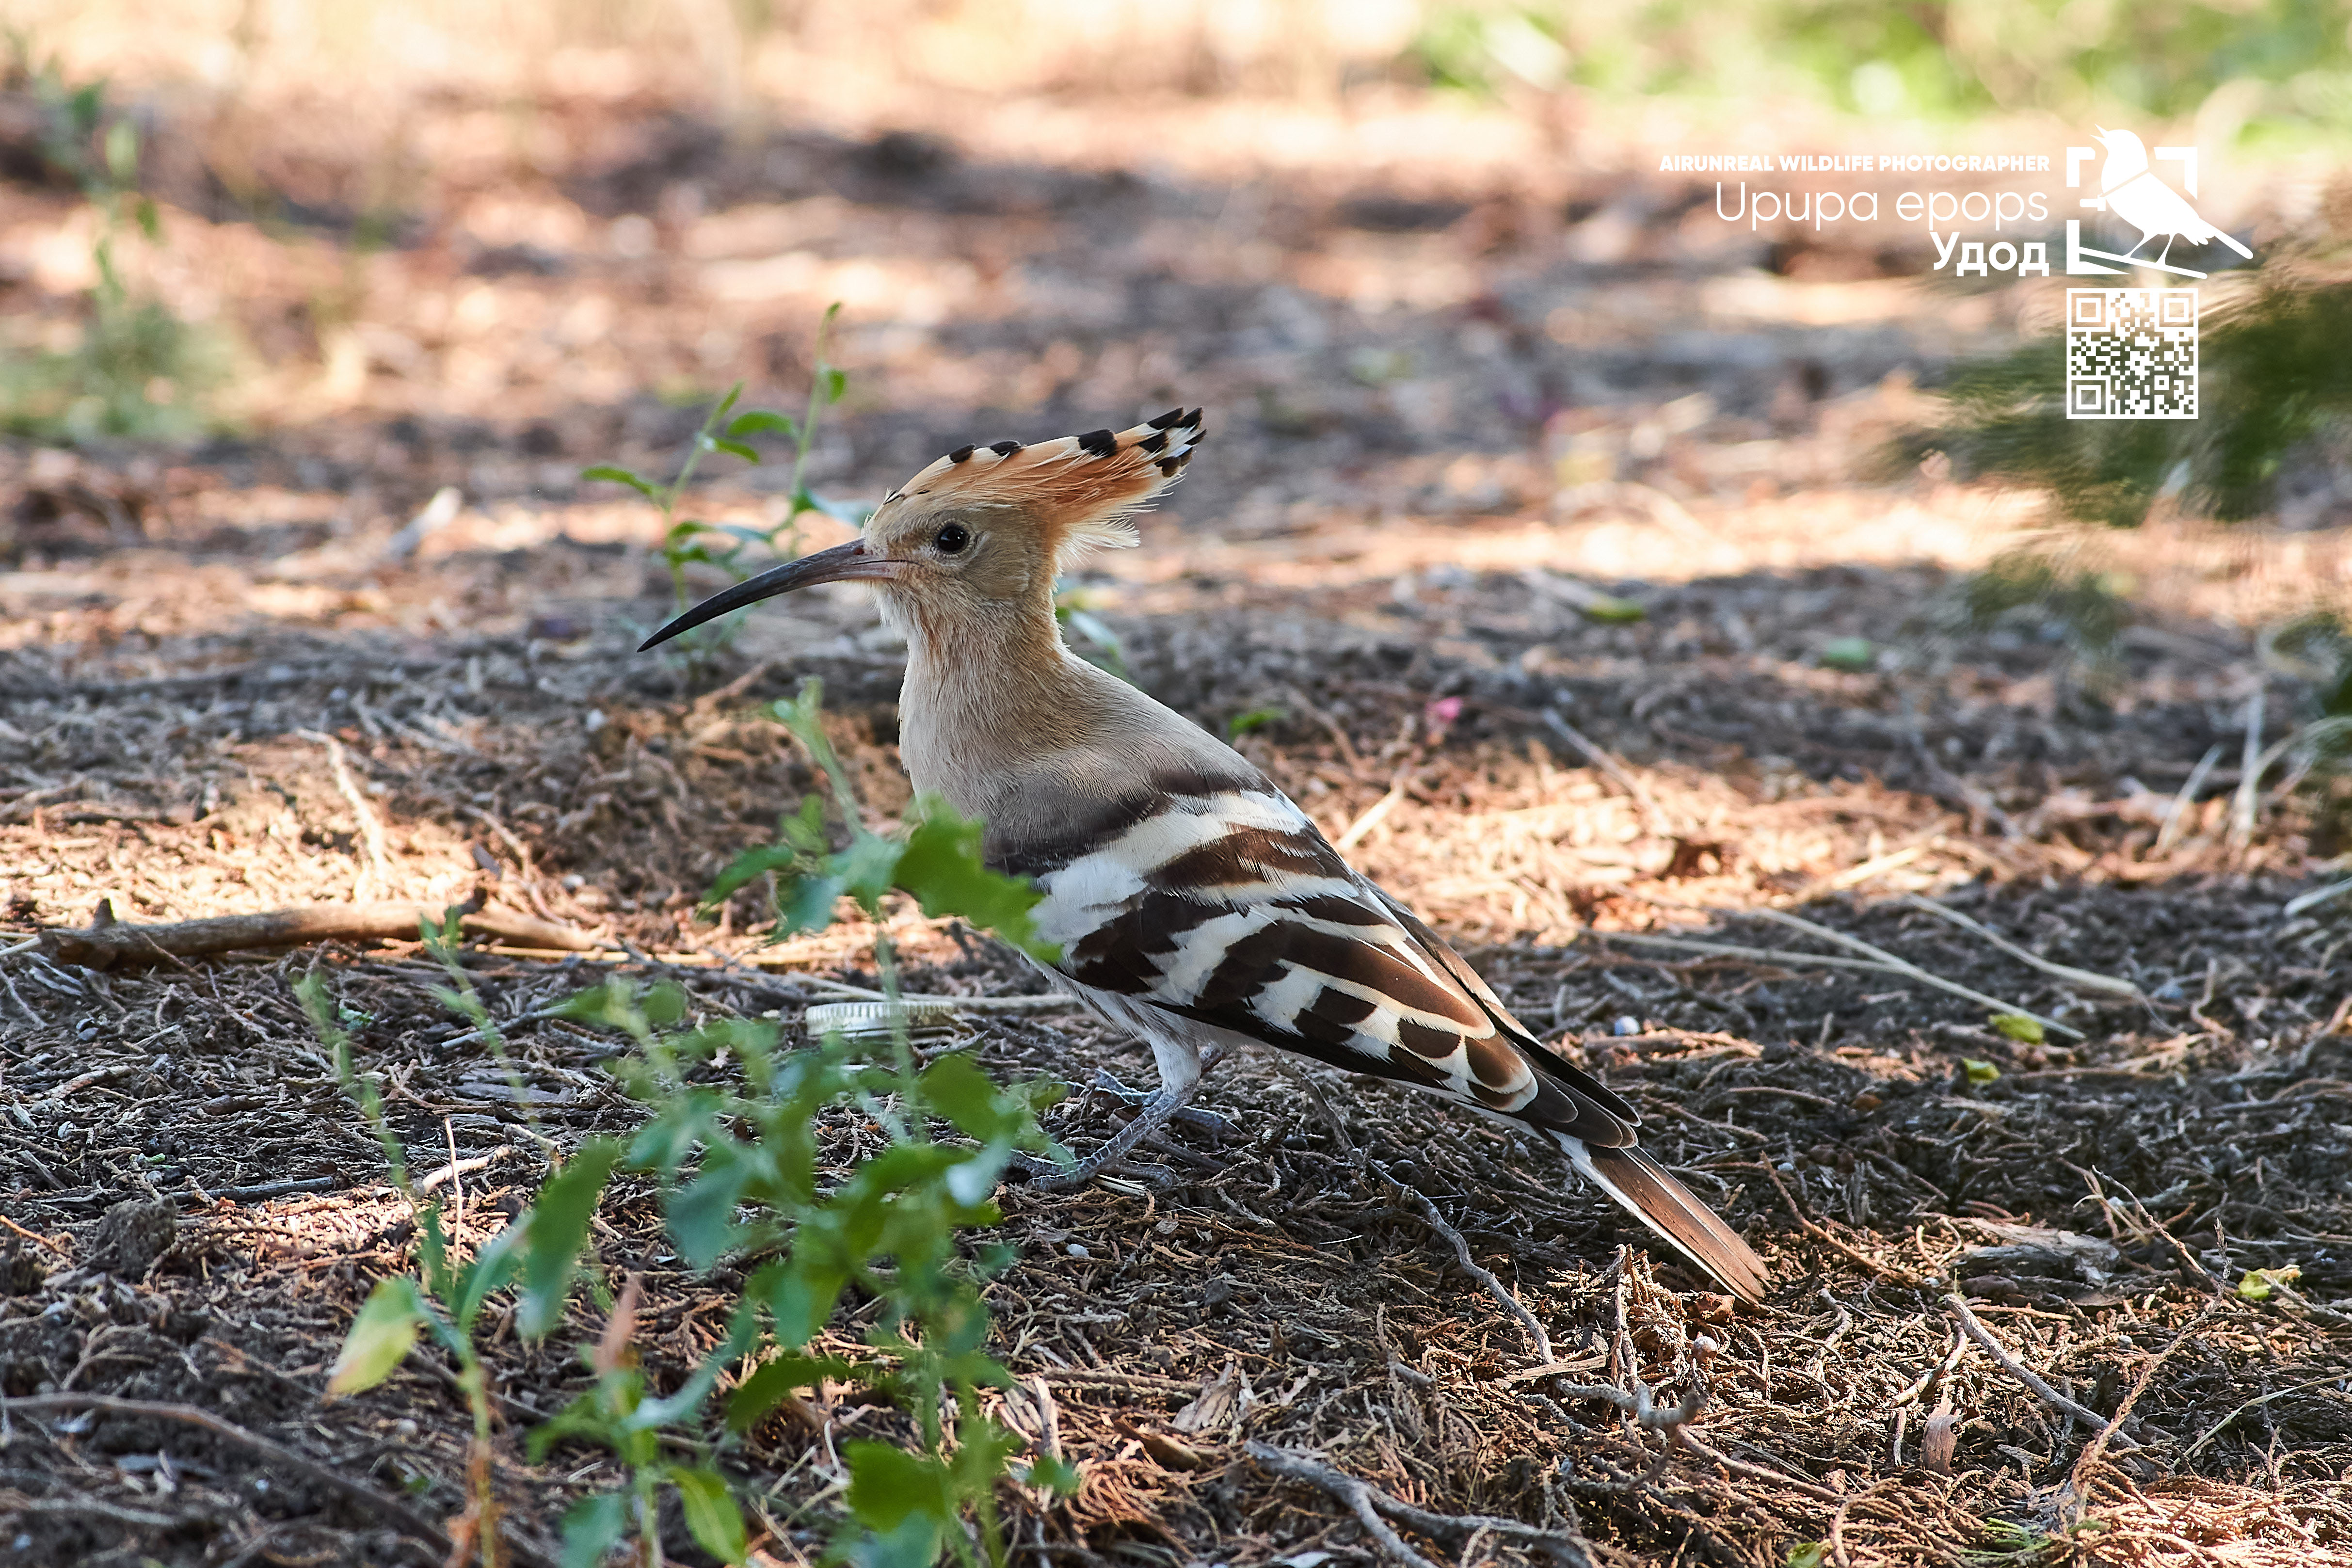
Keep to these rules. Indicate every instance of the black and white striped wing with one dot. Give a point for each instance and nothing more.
(1227, 906)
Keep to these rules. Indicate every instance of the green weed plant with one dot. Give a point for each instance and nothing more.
(689, 541)
(137, 371)
(734, 1142)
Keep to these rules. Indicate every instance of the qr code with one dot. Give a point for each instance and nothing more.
(2131, 353)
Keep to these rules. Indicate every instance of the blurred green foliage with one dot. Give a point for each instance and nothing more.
(2287, 64)
(2275, 400)
(137, 370)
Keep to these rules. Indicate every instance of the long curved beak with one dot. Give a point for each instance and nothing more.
(843, 564)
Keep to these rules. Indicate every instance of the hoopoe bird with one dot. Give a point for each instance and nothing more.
(1192, 903)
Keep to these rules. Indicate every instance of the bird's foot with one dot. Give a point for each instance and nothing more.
(1154, 1112)
(1109, 1088)
(1045, 1176)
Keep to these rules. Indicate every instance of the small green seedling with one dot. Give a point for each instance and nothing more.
(1857, 655)
(2022, 1027)
(2262, 1284)
(689, 541)
(1257, 718)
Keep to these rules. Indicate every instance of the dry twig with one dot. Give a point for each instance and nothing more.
(390, 1509)
(106, 942)
(1652, 817)
(2092, 1452)
(2032, 1383)
(1883, 963)
(1501, 1292)
(1884, 1270)
(1369, 1503)
(2091, 978)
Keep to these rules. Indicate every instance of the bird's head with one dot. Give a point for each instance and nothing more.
(980, 535)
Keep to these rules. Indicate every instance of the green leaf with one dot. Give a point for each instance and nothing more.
(611, 1005)
(869, 866)
(763, 422)
(433, 1252)
(620, 476)
(592, 1527)
(807, 905)
(803, 1296)
(1807, 1554)
(737, 448)
(1980, 1073)
(835, 382)
(1609, 610)
(123, 151)
(685, 1403)
(970, 1182)
(956, 1089)
(942, 868)
(382, 1336)
(491, 1267)
(559, 1228)
(1060, 1477)
(915, 1543)
(2261, 1283)
(702, 1212)
(665, 1004)
(2021, 1026)
(765, 1389)
(888, 1486)
(711, 1512)
(685, 1121)
(1855, 655)
(725, 403)
(151, 221)
(804, 829)
(1240, 724)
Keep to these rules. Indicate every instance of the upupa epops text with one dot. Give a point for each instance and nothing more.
(1192, 903)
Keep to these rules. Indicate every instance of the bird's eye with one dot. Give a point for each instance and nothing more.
(952, 539)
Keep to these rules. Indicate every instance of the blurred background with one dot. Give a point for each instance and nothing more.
(263, 214)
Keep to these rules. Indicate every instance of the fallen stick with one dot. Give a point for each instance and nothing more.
(107, 942)
(1904, 965)
(1885, 964)
(2317, 897)
(2078, 1479)
(2091, 978)
(2040, 1390)
(394, 1512)
(1500, 1291)
(1369, 1503)
(1888, 1271)
(1600, 757)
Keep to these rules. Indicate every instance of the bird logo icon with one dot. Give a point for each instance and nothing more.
(2134, 192)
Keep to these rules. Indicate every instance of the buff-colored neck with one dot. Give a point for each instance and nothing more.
(987, 693)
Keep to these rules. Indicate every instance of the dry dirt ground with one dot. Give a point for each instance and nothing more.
(235, 679)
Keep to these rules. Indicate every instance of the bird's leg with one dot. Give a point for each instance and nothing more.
(2167, 248)
(1191, 1116)
(1181, 1071)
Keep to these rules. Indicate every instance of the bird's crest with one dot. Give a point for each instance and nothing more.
(1082, 491)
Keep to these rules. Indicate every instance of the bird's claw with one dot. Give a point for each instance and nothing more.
(1217, 1127)
(1045, 1176)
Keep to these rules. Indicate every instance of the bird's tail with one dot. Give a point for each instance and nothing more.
(1644, 1188)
